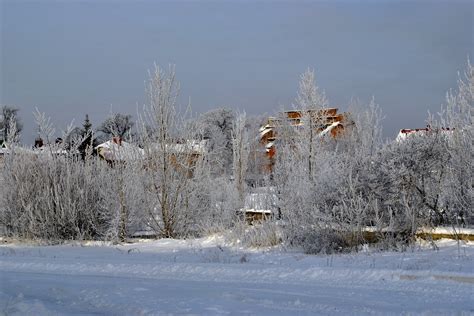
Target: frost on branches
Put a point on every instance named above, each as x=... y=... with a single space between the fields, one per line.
x=192 y=176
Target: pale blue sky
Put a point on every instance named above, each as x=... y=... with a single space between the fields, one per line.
x=69 y=58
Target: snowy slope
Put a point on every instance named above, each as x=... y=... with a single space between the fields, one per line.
x=202 y=277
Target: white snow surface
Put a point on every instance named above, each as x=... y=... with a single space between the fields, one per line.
x=208 y=277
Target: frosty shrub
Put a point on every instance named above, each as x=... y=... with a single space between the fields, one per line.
x=125 y=198
x=56 y=198
x=263 y=234
x=414 y=172
x=217 y=127
x=214 y=205
x=53 y=193
x=458 y=115
x=324 y=241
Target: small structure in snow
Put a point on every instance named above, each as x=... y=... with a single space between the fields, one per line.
x=259 y=205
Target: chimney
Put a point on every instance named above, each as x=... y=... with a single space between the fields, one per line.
x=39 y=142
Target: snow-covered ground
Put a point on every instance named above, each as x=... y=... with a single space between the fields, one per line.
x=204 y=277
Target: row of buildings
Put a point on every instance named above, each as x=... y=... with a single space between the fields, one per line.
x=326 y=122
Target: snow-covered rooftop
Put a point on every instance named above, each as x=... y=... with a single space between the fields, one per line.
x=328 y=129
x=406 y=132
x=114 y=150
x=119 y=151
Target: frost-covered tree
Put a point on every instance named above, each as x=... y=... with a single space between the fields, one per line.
x=171 y=155
x=216 y=127
x=302 y=163
x=311 y=100
x=414 y=175
x=458 y=115
x=89 y=141
x=117 y=125
x=240 y=144
x=257 y=164
x=126 y=197
x=324 y=182
x=9 y=119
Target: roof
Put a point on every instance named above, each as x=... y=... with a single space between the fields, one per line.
x=113 y=151
x=260 y=201
x=328 y=129
x=406 y=132
x=188 y=146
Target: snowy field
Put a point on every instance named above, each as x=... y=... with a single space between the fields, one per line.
x=203 y=277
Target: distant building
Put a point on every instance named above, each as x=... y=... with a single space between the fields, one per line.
x=407 y=133
x=116 y=150
x=260 y=205
x=326 y=122
x=183 y=154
